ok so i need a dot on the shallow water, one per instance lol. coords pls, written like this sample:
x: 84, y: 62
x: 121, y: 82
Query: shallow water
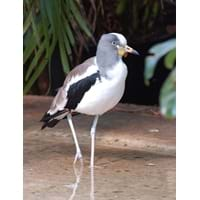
x: 118, y: 174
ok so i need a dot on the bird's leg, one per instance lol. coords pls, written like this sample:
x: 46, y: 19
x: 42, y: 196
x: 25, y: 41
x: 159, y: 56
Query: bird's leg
x: 92, y: 183
x: 78, y: 150
x: 92, y: 134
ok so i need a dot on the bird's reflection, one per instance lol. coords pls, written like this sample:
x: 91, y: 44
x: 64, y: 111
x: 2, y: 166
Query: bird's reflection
x: 78, y: 171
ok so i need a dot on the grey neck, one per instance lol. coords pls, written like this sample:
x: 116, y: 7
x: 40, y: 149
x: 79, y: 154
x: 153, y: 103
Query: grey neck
x: 106, y: 59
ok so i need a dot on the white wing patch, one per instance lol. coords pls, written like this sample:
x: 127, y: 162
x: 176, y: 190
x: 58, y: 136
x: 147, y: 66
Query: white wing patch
x: 90, y: 70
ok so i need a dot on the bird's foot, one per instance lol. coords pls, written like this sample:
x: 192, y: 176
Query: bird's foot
x: 78, y: 156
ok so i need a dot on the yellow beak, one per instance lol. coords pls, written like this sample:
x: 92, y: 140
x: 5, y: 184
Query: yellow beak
x: 123, y: 51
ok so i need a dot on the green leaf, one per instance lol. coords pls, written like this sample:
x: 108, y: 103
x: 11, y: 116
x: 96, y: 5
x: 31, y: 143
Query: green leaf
x: 79, y: 18
x: 67, y: 45
x: 30, y: 43
x: 35, y: 75
x: 68, y: 30
x: 64, y: 59
x: 157, y: 51
x: 51, y: 13
x: 168, y: 96
x: 45, y: 25
x: 70, y: 35
x: 29, y: 48
x: 35, y: 29
x: 63, y: 37
x: 170, y: 59
x: 38, y: 70
x: 35, y: 60
x: 54, y: 22
x: 27, y: 23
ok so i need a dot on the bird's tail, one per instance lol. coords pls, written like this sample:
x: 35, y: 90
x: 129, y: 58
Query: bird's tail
x: 51, y: 120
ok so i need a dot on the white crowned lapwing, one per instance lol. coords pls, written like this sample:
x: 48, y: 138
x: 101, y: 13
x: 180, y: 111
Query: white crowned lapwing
x: 92, y: 88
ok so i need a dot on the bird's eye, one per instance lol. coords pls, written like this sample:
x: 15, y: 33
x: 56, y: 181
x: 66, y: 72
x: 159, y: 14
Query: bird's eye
x: 114, y: 43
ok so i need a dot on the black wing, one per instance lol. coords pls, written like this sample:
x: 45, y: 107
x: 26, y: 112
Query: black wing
x: 75, y: 93
x: 77, y: 90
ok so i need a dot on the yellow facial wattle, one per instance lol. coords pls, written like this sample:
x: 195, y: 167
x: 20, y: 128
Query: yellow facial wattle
x: 121, y: 52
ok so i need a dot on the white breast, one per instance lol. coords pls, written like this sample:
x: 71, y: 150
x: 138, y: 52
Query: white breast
x: 106, y: 93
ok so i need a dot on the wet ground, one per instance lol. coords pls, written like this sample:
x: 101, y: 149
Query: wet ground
x: 134, y: 158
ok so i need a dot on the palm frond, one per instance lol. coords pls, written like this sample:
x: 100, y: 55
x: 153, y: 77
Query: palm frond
x: 47, y: 23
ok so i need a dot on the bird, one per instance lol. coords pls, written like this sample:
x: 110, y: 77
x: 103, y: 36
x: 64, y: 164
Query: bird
x: 92, y: 88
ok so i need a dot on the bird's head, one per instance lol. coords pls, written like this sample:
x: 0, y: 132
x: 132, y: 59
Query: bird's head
x: 116, y: 43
